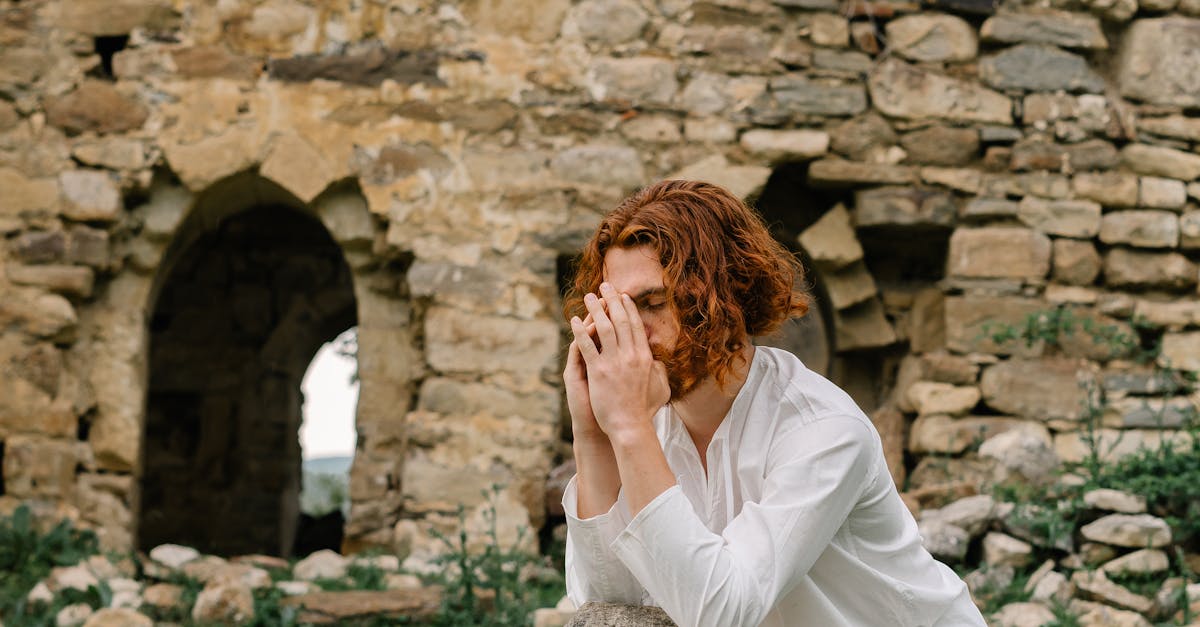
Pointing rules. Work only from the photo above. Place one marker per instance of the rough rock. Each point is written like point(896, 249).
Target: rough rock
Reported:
point(836, 172)
point(904, 207)
point(970, 321)
point(173, 556)
point(945, 541)
point(799, 94)
point(1021, 455)
point(1039, 67)
point(1115, 501)
point(791, 145)
point(999, 252)
point(1004, 550)
point(1161, 193)
point(1075, 262)
point(607, 21)
point(324, 564)
point(1066, 218)
point(905, 91)
point(1143, 561)
point(595, 613)
point(638, 80)
point(345, 607)
point(1096, 585)
point(941, 145)
point(931, 397)
point(600, 164)
point(831, 241)
point(1155, 64)
point(163, 595)
point(863, 326)
point(1022, 614)
point(118, 617)
point(932, 38)
point(863, 138)
point(1161, 161)
point(1181, 350)
point(972, 514)
point(945, 434)
point(23, 194)
point(1173, 126)
point(1136, 531)
point(227, 603)
point(1047, 389)
point(1091, 614)
point(850, 286)
point(69, 280)
point(1058, 28)
point(1189, 230)
point(1135, 268)
point(90, 195)
point(1143, 229)
point(73, 615)
point(98, 107)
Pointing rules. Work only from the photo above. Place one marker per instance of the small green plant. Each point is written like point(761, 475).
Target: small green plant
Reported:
point(491, 587)
point(27, 555)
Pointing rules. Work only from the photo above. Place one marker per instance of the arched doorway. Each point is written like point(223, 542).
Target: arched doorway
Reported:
point(244, 299)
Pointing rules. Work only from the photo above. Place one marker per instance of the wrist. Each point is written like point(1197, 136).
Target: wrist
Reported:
point(632, 436)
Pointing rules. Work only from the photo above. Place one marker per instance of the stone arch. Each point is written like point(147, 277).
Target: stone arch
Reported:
point(252, 283)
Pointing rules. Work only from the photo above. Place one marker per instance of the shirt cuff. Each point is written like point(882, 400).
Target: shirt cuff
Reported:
point(607, 525)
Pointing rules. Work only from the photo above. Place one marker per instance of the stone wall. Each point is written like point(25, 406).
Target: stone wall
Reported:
point(939, 164)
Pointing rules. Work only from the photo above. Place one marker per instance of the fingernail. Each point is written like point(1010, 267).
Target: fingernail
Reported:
point(604, 287)
point(589, 297)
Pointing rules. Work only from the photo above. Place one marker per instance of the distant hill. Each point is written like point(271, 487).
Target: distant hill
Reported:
point(325, 485)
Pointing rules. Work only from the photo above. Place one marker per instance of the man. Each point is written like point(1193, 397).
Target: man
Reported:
point(726, 483)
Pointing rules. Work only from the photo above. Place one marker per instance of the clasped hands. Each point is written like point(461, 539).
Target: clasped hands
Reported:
point(614, 384)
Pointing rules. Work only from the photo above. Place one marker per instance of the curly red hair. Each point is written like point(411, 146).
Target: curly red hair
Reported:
point(726, 278)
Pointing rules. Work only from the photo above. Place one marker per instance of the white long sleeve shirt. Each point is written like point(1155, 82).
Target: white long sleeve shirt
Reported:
point(798, 522)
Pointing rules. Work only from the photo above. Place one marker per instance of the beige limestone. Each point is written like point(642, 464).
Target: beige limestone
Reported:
point(999, 252)
point(831, 241)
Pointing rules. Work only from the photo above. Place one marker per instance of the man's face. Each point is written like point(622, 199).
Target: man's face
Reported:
point(638, 272)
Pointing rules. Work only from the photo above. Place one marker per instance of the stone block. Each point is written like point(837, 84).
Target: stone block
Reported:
point(1114, 444)
point(1161, 160)
point(709, 130)
point(1189, 230)
point(904, 207)
point(1115, 501)
point(114, 153)
point(1023, 455)
point(606, 21)
point(1039, 67)
point(1090, 613)
point(297, 166)
point(22, 194)
point(943, 540)
point(1150, 413)
point(831, 241)
point(1096, 585)
point(1140, 562)
point(638, 81)
point(652, 129)
point(863, 138)
point(849, 286)
point(600, 164)
point(1155, 64)
point(939, 433)
point(1111, 189)
point(1075, 262)
point(90, 195)
point(1023, 614)
point(211, 159)
point(596, 613)
point(742, 181)
point(1000, 549)
point(998, 252)
point(1143, 229)
point(1161, 193)
point(989, 209)
point(1181, 350)
point(1044, 389)
point(836, 172)
point(1135, 268)
point(927, 321)
point(457, 341)
point(941, 145)
point(95, 106)
point(1175, 314)
point(863, 326)
point(932, 397)
point(799, 94)
point(1057, 28)
point(932, 38)
point(905, 91)
point(790, 145)
point(40, 314)
point(63, 279)
point(1066, 218)
point(36, 466)
point(1137, 531)
point(1092, 154)
point(972, 320)
point(1172, 126)
point(966, 180)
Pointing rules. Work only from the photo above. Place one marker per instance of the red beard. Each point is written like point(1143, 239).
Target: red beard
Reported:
point(685, 369)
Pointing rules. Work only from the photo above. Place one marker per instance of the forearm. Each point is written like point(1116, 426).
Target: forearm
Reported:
point(642, 466)
point(597, 479)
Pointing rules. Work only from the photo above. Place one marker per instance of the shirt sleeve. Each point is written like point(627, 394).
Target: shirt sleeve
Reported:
point(736, 578)
point(593, 571)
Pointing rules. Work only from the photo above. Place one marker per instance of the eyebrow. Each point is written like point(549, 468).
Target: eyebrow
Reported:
point(647, 293)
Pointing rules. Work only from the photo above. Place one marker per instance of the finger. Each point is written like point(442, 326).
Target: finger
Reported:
point(641, 342)
point(587, 348)
point(604, 327)
point(575, 366)
point(618, 315)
